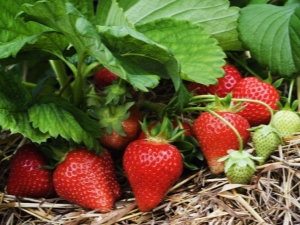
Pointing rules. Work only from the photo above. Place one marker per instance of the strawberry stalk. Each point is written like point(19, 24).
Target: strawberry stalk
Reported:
point(63, 79)
point(241, 145)
point(211, 98)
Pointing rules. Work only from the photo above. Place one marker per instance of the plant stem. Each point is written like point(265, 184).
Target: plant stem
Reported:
point(59, 69)
point(298, 91)
point(243, 64)
point(241, 145)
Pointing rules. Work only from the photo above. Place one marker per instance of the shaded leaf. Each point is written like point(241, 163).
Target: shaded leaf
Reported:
point(272, 35)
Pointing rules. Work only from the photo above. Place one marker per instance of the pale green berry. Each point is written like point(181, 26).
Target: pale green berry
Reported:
point(286, 122)
point(240, 175)
point(265, 140)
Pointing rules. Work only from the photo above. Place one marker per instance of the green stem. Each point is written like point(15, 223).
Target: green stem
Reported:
point(29, 85)
point(94, 96)
point(79, 82)
point(62, 76)
point(291, 91)
point(211, 98)
point(298, 92)
point(241, 145)
point(243, 64)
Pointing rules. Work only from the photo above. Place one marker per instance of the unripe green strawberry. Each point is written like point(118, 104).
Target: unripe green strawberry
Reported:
point(286, 122)
point(238, 174)
point(239, 166)
point(265, 140)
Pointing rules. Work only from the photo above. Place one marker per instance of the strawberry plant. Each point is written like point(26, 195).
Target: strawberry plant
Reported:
point(176, 53)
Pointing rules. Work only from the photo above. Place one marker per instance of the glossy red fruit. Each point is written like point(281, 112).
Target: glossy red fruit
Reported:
point(87, 179)
point(188, 129)
point(152, 169)
point(197, 89)
point(26, 177)
point(216, 138)
point(132, 129)
point(104, 78)
point(226, 83)
point(253, 88)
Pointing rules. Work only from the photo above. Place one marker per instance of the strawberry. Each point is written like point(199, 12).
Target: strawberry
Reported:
point(197, 88)
point(239, 166)
point(255, 89)
point(121, 126)
point(185, 126)
point(286, 122)
point(152, 166)
point(265, 140)
point(26, 177)
point(226, 83)
point(216, 138)
point(104, 78)
point(87, 179)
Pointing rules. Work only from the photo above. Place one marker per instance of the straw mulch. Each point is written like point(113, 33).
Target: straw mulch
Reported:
point(198, 198)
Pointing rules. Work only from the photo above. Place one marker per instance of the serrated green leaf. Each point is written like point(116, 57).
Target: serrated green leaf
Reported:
point(200, 57)
point(216, 16)
point(272, 35)
point(14, 102)
point(54, 115)
point(17, 35)
point(109, 13)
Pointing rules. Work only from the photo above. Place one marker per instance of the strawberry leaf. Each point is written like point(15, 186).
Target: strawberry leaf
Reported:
point(54, 115)
point(197, 53)
point(14, 101)
point(216, 17)
point(17, 35)
point(271, 32)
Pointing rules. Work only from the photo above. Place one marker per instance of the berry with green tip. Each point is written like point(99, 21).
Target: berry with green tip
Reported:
point(265, 140)
point(286, 122)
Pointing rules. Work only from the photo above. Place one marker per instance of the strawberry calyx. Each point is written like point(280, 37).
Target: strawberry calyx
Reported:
point(266, 129)
point(241, 158)
point(117, 92)
point(111, 116)
point(162, 132)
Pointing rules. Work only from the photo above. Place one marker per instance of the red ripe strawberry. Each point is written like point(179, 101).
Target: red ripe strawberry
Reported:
point(26, 177)
point(197, 89)
point(87, 179)
point(131, 128)
point(216, 138)
point(226, 83)
point(104, 78)
point(152, 167)
point(185, 126)
point(255, 89)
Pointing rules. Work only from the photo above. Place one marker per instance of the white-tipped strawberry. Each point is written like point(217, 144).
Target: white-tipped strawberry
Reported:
point(265, 139)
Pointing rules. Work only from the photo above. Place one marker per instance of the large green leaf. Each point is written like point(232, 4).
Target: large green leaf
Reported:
point(216, 16)
point(135, 52)
point(272, 35)
point(109, 13)
point(54, 115)
point(16, 34)
point(200, 57)
point(14, 101)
